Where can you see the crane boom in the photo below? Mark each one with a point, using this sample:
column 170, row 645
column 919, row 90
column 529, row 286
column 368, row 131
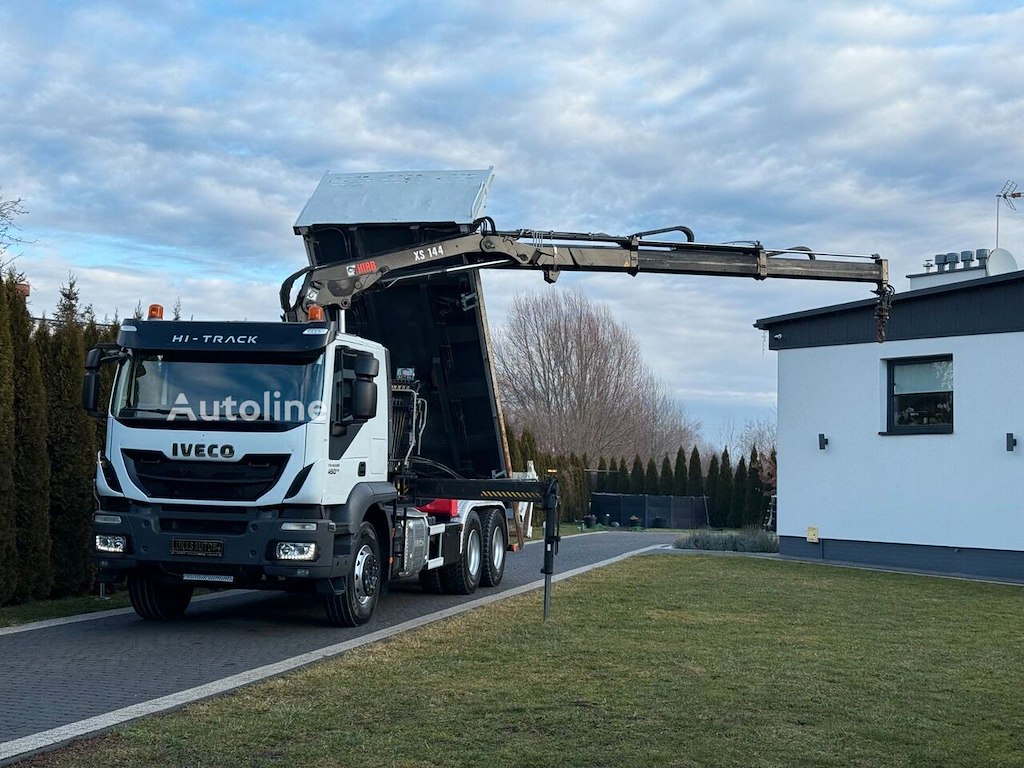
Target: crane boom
column 334, row 285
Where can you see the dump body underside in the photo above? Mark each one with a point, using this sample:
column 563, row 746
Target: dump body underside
column 434, row 325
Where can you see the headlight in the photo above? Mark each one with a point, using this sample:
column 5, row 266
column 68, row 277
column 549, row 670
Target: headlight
column 116, row 544
column 296, row 550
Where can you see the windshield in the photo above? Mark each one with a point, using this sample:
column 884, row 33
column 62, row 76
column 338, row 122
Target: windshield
column 224, row 389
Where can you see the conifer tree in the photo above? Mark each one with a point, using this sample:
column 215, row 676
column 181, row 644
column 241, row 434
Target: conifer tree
column 611, row 478
column 579, row 467
column 695, row 475
column 738, row 502
column 528, row 451
column 636, row 476
column 8, row 529
column 570, row 476
column 72, row 449
column 601, row 481
column 756, row 502
column 651, row 477
column 567, row 500
column 679, row 475
column 624, row 479
column 723, row 490
column 31, row 462
column 665, row 478
column 711, row 492
column 515, row 460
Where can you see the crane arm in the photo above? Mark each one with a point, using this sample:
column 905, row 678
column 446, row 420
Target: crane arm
column 334, row 285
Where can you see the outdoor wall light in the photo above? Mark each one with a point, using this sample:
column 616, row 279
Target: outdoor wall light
column 1011, row 441
column 822, row 441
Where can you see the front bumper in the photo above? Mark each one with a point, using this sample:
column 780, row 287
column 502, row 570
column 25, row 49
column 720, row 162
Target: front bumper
column 246, row 552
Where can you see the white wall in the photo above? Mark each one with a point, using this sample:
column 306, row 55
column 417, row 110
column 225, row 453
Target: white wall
column 960, row 489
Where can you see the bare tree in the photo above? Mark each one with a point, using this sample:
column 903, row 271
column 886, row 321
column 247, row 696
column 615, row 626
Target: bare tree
column 9, row 211
column 761, row 434
column 573, row 375
column 758, row 433
column 755, row 433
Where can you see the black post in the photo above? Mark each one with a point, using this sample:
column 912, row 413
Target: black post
column 551, row 539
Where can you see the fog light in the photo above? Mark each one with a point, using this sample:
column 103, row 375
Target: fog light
column 111, row 543
column 296, row 550
column 112, row 519
column 298, row 526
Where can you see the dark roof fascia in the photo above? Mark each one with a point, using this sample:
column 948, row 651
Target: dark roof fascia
column 767, row 323
column 853, row 322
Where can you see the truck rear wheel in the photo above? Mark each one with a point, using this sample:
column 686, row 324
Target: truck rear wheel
column 355, row 605
column 158, row 600
column 494, row 542
column 462, row 578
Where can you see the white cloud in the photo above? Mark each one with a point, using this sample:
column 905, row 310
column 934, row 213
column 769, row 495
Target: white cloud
column 165, row 149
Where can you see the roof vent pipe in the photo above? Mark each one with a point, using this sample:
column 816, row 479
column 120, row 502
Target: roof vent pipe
column 952, row 259
column 967, row 257
column 940, row 262
column 982, row 254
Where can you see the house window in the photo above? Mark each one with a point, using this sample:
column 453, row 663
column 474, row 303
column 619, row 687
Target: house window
column 921, row 395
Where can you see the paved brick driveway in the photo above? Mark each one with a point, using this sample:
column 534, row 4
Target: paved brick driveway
column 53, row 676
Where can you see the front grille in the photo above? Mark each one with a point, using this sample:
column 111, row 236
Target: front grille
column 244, row 480
column 201, row 526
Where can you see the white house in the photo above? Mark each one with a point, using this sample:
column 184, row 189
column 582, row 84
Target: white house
column 908, row 453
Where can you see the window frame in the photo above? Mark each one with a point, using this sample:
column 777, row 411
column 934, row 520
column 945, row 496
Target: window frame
column 892, row 428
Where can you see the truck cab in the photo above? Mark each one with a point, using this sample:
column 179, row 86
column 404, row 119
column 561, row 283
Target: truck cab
column 284, row 455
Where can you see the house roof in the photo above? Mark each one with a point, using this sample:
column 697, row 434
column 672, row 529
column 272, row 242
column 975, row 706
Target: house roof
column 986, row 305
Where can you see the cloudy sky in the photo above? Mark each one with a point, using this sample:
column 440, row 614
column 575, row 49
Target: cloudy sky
column 164, row 149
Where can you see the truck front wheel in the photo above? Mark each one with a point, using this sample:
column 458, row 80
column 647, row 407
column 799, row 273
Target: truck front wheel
column 157, row 600
column 462, row 577
column 494, row 542
column 431, row 582
column 355, row 605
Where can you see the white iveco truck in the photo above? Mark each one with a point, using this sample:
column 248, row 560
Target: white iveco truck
column 359, row 441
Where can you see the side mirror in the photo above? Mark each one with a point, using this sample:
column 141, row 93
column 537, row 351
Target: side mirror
column 93, row 359
column 362, row 405
column 366, row 367
column 91, row 391
column 364, row 399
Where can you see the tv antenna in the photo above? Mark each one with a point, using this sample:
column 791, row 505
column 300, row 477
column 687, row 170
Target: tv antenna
column 1007, row 195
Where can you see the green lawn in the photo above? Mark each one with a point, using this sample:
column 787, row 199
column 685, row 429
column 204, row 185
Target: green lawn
column 659, row 660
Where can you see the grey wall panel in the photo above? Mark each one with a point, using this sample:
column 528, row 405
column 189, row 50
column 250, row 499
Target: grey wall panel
column 1004, row 565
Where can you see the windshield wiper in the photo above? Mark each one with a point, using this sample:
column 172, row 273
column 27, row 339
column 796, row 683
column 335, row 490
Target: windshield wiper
column 128, row 410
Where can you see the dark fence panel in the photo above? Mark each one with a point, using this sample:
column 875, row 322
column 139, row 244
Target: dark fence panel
column 649, row 511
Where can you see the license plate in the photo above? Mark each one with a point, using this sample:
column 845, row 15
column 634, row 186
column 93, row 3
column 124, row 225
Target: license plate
column 197, row 547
